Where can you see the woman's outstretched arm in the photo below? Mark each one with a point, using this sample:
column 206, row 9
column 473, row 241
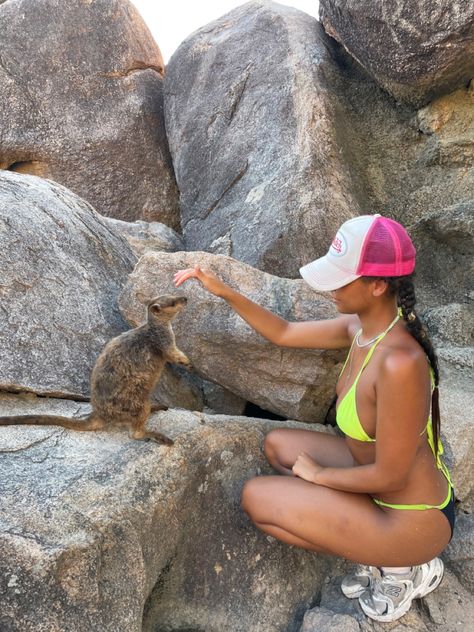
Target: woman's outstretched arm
column 322, row 334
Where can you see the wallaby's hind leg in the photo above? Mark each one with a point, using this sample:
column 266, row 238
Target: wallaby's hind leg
column 138, row 432
column 93, row 422
column 156, row 407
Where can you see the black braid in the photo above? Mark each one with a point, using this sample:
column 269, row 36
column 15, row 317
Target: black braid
column 404, row 289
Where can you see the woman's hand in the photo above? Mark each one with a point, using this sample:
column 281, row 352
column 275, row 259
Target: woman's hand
column 209, row 280
column 306, row 468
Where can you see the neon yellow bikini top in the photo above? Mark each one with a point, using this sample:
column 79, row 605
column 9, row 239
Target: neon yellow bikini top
column 346, row 413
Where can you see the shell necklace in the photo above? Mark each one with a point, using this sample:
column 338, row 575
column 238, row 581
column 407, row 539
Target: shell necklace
column 361, row 345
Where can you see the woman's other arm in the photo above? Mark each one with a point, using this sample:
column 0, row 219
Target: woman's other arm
column 402, row 411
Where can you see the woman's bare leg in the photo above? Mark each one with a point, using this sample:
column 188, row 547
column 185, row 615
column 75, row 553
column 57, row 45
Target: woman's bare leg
column 345, row 524
column 283, row 445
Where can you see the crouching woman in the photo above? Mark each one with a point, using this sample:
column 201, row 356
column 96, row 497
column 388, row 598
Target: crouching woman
column 380, row 494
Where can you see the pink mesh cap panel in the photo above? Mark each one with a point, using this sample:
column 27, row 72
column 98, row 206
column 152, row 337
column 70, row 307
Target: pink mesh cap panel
column 387, row 250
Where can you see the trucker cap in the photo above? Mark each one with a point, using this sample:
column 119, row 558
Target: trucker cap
column 368, row 245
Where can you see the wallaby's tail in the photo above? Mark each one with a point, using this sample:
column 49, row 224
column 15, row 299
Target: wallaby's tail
column 88, row 423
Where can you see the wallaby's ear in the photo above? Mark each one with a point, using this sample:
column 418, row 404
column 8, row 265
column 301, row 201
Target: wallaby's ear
column 155, row 308
column 141, row 298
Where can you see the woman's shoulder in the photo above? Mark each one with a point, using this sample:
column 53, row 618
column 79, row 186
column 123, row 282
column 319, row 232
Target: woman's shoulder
column 403, row 359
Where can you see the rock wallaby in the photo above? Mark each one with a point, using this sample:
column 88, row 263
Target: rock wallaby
column 124, row 376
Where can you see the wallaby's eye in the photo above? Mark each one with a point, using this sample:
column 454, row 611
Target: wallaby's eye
column 155, row 308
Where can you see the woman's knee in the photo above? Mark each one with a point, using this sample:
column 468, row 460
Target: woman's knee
column 251, row 493
column 271, row 445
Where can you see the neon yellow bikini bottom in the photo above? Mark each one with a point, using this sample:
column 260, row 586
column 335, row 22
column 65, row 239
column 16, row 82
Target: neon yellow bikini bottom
column 419, row 507
column 441, row 466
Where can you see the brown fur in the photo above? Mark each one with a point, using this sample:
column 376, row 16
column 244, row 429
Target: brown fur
column 124, row 376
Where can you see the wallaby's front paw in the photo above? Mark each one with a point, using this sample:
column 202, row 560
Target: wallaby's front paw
column 178, row 357
column 185, row 361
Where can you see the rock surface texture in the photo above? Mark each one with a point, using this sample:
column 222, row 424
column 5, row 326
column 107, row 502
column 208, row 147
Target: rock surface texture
column 295, row 383
column 414, row 50
column 114, row 535
column 81, row 103
column 405, row 163
column 460, row 552
column 445, row 256
column 457, row 428
column 143, row 236
column 62, row 271
column 255, row 141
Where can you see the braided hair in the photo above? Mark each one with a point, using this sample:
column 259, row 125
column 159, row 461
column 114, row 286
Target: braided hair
column 404, row 289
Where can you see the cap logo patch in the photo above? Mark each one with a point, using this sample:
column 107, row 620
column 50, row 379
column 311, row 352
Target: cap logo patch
column 339, row 245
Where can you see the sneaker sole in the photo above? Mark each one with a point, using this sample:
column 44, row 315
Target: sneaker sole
column 436, row 571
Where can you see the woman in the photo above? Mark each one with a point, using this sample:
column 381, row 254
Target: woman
column 380, row 495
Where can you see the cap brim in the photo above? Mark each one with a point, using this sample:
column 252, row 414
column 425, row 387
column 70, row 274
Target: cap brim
column 325, row 276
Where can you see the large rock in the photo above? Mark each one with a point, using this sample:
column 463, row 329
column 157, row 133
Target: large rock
column 449, row 608
column 62, row 270
column 179, row 388
column 405, row 164
column 460, row 552
column 81, row 103
column 100, row 532
column 457, row 429
column 449, row 121
column 295, row 383
column 321, row 139
column 143, row 236
column 409, row 163
column 220, row 400
column 255, row 130
column 445, row 257
column 452, row 323
column 415, row 51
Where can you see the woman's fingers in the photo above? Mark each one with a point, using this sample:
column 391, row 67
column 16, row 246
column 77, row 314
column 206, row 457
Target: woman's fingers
column 205, row 276
column 183, row 275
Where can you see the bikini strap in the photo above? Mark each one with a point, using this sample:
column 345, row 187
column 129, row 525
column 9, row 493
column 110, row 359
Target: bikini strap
column 349, row 354
column 439, row 453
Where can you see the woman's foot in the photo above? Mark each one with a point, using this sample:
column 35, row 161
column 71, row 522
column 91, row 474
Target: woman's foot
column 392, row 594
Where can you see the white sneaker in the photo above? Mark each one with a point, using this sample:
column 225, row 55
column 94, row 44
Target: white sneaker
column 354, row 584
column 391, row 594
